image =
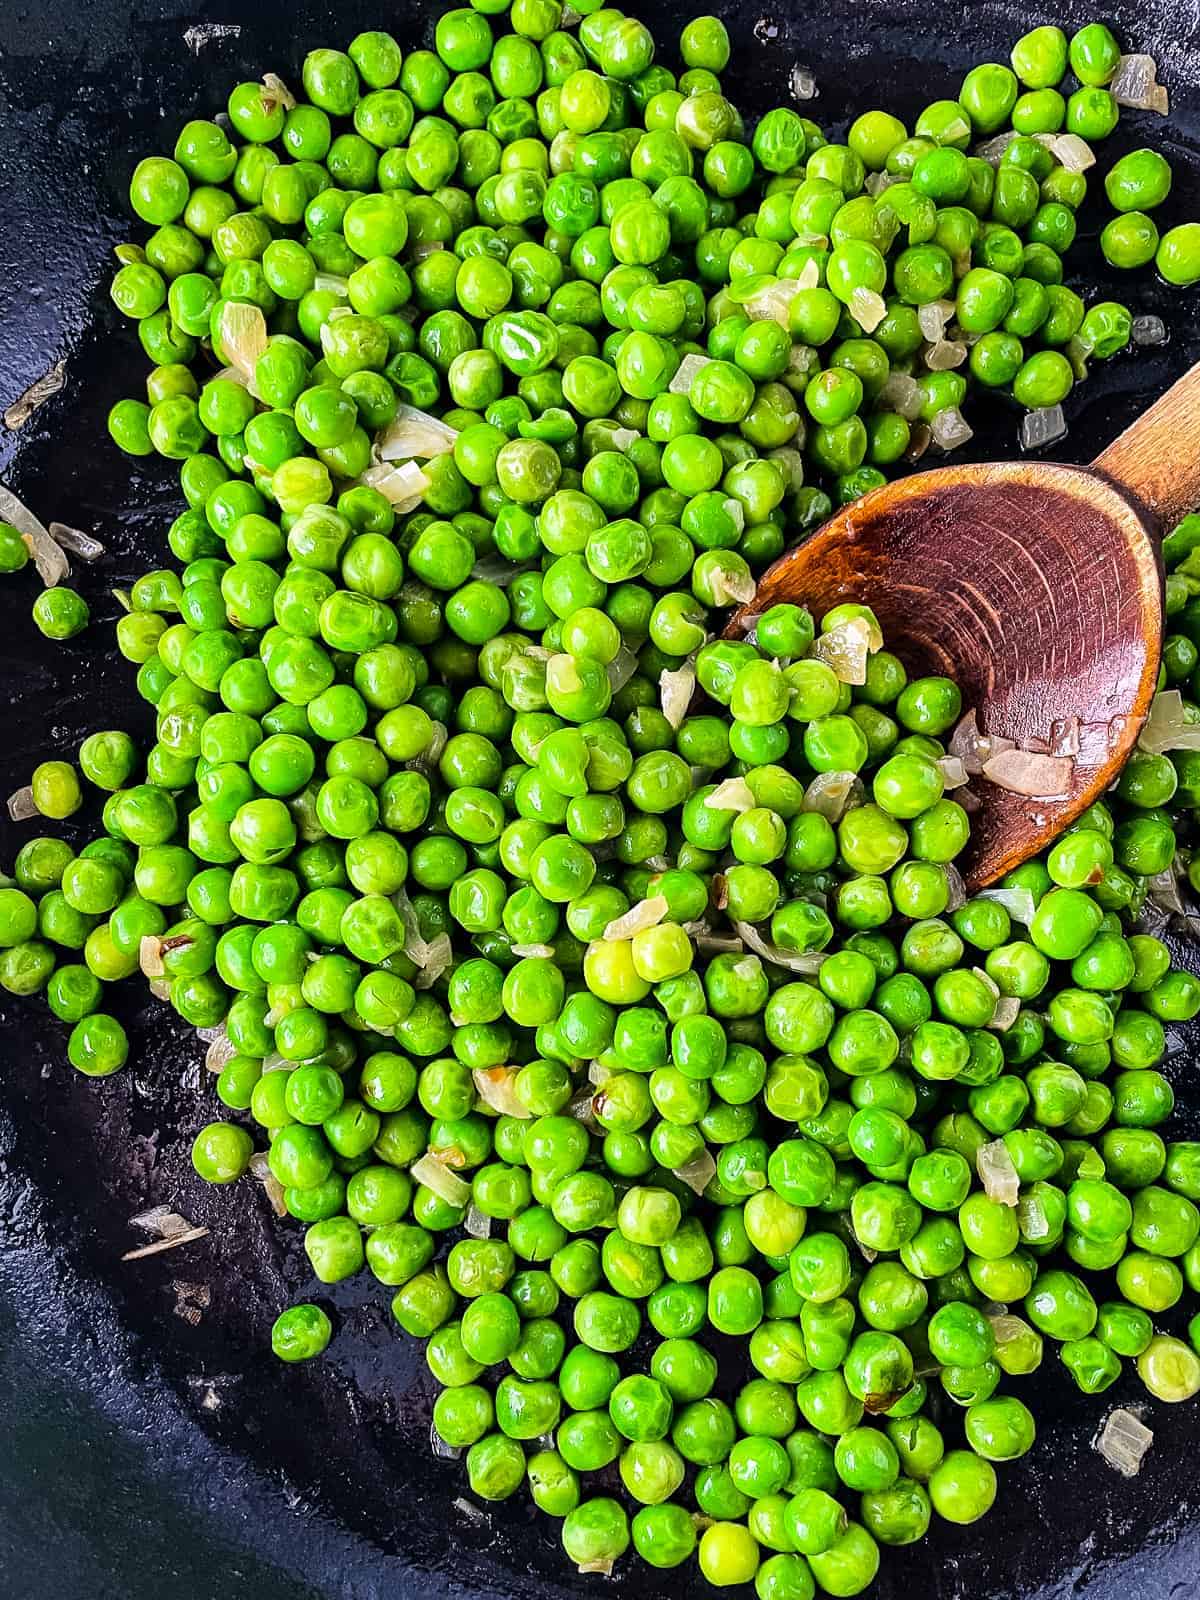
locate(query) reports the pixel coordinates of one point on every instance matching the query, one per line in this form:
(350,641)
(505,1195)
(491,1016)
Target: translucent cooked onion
(242,332)
(675,691)
(867,308)
(20,804)
(809,276)
(845,649)
(997,1173)
(545,951)
(950,428)
(733,588)
(1031,1217)
(621,668)
(275,93)
(733,794)
(598,1074)
(477,1223)
(603,1565)
(933,317)
(36,395)
(403,486)
(805,962)
(698,1172)
(1043,426)
(902,394)
(435,1175)
(414,432)
(494,1086)
(802,83)
(954,772)
(332,283)
(439,1448)
(1123,1441)
(221,1050)
(992,149)
(1148,330)
(772,302)
(1072,152)
(1019,903)
(150,956)
(945,355)
(583,1109)
(1167,727)
(833,794)
(1008,1009)
(691,364)
(956,889)
(1135,84)
(1030,773)
(52,565)
(439,958)
(645,914)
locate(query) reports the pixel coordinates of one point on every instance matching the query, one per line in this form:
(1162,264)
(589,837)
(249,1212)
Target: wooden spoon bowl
(1036,586)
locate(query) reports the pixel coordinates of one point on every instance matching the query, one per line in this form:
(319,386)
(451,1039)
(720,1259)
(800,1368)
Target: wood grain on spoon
(1036,586)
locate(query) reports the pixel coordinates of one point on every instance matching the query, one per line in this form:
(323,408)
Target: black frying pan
(140,1453)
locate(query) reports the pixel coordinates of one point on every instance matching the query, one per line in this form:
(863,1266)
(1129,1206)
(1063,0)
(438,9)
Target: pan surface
(138,1450)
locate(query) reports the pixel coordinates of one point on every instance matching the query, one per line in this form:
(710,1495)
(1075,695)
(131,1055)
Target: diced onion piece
(730,588)
(545,951)
(802,83)
(160,988)
(75,542)
(1065,736)
(414,432)
(439,1448)
(933,317)
(221,1050)
(161,1222)
(499,571)
(992,149)
(878,182)
(698,1173)
(598,1074)
(1162,891)
(772,303)
(621,668)
(918,441)
(1148,330)
(1124,1440)
(675,691)
(276,93)
(902,394)
(1135,84)
(1018,903)
(832,794)
(945,355)
(1007,1326)
(965,741)
(954,772)
(439,958)
(691,364)
(803,361)
(1167,727)
(956,889)
(20,804)
(242,331)
(1072,152)
(950,428)
(1008,1009)
(867,308)
(494,1086)
(48,558)
(845,649)
(150,956)
(809,276)
(477,1223)
(273,1061)
(805,962)
(583,1109)
(622,438)
(733,794)
(435,1175)
(645,914)
(1042,426)
(997,1173)
(715,944)
(39,391)
(403,486)
(659,863)
(1030,773)
(603,1565)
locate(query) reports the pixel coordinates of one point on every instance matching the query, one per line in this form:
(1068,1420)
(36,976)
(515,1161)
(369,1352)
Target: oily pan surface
(138,1445)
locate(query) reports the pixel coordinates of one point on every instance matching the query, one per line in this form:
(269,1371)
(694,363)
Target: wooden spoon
(1036,586)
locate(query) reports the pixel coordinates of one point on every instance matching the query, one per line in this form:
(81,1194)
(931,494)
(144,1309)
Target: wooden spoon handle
(1158,456)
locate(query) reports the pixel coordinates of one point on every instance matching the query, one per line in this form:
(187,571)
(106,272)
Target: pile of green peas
(369,753)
